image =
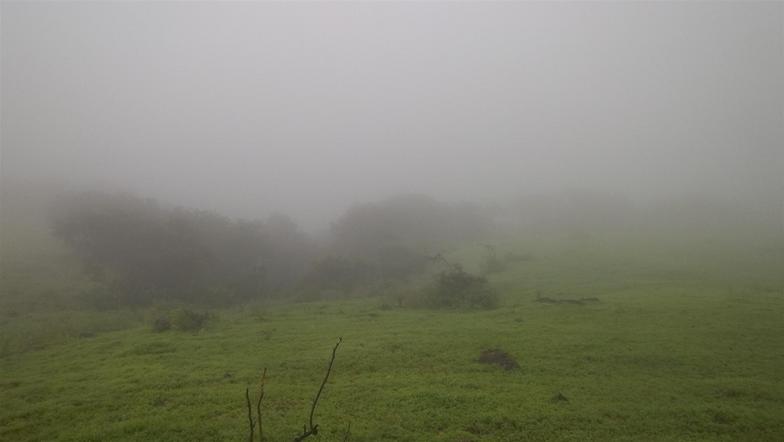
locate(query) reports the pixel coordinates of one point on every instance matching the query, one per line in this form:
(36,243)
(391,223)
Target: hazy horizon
(305,109)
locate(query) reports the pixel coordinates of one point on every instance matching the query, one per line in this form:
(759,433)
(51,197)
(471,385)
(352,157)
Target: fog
(459,221)
(251,108)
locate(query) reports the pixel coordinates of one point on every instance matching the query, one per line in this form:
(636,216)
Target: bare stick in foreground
(250,415)
(258,405)
(311,429)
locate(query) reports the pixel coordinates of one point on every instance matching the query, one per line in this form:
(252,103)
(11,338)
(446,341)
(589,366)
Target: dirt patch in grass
(499,358)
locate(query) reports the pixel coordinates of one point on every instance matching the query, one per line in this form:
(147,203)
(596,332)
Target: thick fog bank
(255,108)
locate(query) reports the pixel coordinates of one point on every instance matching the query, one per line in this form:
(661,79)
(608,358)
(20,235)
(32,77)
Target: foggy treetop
(307,108)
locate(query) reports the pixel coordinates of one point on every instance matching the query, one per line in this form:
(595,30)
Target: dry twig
(258,404)
(250,415)
(311,429)
(307,430)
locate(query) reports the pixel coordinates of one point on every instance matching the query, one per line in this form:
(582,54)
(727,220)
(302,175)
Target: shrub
(143,252)
(456,288)
(187,320)
(161,324)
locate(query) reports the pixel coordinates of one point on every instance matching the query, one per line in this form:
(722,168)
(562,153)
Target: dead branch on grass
(310,429)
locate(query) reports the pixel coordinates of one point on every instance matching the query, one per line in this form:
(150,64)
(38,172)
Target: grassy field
(685,342)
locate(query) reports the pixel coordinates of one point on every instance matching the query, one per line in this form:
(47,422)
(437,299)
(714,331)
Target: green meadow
(683,341)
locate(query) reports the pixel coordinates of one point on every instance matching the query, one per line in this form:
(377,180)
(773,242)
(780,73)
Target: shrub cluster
(456,288)
(140,252)
(181,319)
(144,251)
(390,236)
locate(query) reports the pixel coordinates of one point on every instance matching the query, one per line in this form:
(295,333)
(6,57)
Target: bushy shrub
(393,235)
(456,288)
(144,252)
(184,319)
(161,324)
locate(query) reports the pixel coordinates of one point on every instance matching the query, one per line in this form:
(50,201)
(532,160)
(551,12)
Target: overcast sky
(305,108)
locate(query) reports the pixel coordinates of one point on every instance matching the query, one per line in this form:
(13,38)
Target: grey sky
(304,108)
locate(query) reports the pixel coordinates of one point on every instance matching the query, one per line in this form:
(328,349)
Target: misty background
(252,109)
(550,221)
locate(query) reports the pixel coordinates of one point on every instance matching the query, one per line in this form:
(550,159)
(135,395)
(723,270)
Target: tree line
(145,251)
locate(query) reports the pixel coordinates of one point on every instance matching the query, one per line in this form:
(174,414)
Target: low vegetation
(141,252)
(415,374)
(456,288)
(557,344)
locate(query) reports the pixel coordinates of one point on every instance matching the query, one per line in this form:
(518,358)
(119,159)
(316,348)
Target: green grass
(686,343)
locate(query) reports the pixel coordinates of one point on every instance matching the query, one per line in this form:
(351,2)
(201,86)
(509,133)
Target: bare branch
(258,404)
(312,430)
(326,376)
(250,415)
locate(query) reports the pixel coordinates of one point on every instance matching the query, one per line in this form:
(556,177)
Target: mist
(251,109)
(380,221)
